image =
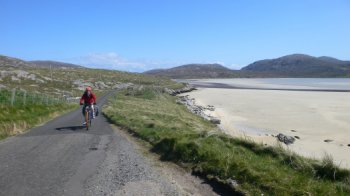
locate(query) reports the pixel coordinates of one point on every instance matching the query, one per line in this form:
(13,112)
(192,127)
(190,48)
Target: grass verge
(250,168)
(16,119)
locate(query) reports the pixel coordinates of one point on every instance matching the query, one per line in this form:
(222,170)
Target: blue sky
(139,35)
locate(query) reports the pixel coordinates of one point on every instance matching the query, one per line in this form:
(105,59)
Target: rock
(215,120)
(101,85)
(210,108)
(232,183)
(39,81)
(14,78)
(46,78)
(328,140)
(187,88)
(81,84)
(349,145)
(297,137)
(169,91)
(285,139)
(119,86)
(293,130)
(198,110)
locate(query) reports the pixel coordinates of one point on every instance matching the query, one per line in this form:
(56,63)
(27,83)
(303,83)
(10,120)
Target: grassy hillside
(55,64)
(69,81)
(41,90)
(72,81)
(180,136)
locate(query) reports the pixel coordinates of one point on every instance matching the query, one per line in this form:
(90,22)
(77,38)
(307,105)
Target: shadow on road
(70,128)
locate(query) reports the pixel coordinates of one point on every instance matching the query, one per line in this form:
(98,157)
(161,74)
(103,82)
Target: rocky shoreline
(186,89)
(198,110)
(191,105)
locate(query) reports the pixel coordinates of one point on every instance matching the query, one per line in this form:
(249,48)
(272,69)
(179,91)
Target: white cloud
(109,60)
(113,61)
(235,66)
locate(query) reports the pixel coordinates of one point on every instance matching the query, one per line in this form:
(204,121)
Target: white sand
(315,116)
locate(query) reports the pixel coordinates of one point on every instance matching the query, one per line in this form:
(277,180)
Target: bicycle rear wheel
(90,117)
(87,120)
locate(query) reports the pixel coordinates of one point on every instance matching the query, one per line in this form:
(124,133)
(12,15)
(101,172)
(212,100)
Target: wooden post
(33,97)
(24,97)
(13,97)
(47,100)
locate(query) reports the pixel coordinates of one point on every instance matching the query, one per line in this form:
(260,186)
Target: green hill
(66,79)
(300,65)
(295,65)
(194,71)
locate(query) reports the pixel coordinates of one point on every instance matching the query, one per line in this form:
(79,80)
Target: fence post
(13,97)
(33,98)
(24,97)
(47,100)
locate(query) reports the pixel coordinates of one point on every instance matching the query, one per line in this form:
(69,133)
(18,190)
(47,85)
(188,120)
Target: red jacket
(85,99)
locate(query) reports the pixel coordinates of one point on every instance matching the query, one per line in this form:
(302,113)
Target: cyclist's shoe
(84,123)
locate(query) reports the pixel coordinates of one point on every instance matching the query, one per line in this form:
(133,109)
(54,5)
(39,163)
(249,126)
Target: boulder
(215,120)
(101,85)
(210,108)
(187,88)
(119,86)
(328,140)
(285,139)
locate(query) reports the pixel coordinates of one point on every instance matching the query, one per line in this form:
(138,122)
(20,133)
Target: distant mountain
(300,65)
(15,62)
(295,65)
(6,61)
(55,64)
(333,60)
(194,71)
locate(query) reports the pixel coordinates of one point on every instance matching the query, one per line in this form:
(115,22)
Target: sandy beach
(312,116)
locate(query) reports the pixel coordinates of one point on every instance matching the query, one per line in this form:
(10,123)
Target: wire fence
(17,97)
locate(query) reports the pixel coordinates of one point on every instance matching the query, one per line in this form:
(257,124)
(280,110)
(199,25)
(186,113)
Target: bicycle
(88,116)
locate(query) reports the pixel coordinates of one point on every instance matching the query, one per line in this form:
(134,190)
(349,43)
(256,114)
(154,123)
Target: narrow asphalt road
(62,158)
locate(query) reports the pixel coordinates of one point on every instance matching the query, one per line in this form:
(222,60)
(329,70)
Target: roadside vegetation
(21,110)
(247,167)
(30,95)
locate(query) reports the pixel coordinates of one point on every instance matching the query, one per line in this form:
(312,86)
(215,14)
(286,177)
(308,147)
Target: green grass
(180,136)
(18,118)
(27,110)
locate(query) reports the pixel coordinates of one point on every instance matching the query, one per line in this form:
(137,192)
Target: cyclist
(88,99)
